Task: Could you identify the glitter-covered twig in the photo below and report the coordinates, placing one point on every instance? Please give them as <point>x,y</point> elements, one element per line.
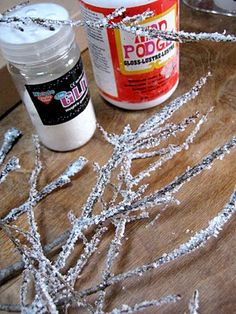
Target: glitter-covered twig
<point>113,251</point>
<point>43,288</point>
<point>26,276</point>
<point>14,269</point>
<point>88,251</point>
<point>54,284</point>
<point>47,279</point>
<point>181,36</point>
<point>11,165</point>
<point>161,134</point>
<point>169,153</point>
<point>84,223</point>
<point>162,196</point>
<point>10,308</point>
<point>125,190</point>
<point>62,180</point>
<point>126,309</point>
<point>40,282</point>
<point>124,144</point>
<point>10,137</point>
<point>160,117</point>
<point>197,241</point>
<point>16,7</point>
<point>194,303</point>
<point>176,184</point>
<point>19,22</point>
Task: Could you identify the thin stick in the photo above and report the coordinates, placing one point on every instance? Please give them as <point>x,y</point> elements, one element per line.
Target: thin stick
<point>10,137</point>
<point>16,7</point>
<point>10,166</point>
<point>194,303</point>
<point>62,180</point>
<point>126,309</point>
<point>14,269</point>
<point>181,37</point>
<point>197,241</point>
<point>10,308</point>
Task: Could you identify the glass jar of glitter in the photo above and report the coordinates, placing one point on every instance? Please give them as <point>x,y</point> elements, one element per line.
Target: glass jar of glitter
<point>48,72</point>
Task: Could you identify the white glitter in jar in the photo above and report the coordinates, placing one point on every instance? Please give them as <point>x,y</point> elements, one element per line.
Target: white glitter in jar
<point>65,136</point>
<point>48,72</point>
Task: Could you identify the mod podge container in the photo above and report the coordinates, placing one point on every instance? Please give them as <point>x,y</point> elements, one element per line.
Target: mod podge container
<point>48,72</point>
<point>133,72</point>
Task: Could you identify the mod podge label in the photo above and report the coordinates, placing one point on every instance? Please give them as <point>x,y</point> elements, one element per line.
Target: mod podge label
<point>139,54</point>
<point>62,99</point>
<point>133,68</point>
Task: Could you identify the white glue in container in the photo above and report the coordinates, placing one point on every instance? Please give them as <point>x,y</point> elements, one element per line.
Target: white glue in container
<point>133,72</point>
<point>48,72</point>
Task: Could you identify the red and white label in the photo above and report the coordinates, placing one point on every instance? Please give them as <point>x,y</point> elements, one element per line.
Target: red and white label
<point>131,68</point>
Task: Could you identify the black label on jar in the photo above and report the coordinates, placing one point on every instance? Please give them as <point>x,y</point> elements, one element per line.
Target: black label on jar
<point>62,99</point>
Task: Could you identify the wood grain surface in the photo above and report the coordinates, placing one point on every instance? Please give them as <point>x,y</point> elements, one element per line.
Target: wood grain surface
<point>210,269</point>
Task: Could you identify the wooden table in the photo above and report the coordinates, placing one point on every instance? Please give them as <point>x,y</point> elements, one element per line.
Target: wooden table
<point>211,269</point>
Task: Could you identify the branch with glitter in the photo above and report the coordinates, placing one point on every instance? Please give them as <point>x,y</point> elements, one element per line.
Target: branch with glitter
<point>194,303</point>
<point>197,241</point>
<point>127,24</point>
<point>55,287</point>
<point>10,138</point>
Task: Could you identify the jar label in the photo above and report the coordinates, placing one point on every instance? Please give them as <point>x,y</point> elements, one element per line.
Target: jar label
<point>131,68</point>
<point>62,99</point>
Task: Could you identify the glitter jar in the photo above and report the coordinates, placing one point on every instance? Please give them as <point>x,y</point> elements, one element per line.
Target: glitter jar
<point>47,69</point>
<point>133,72</point>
